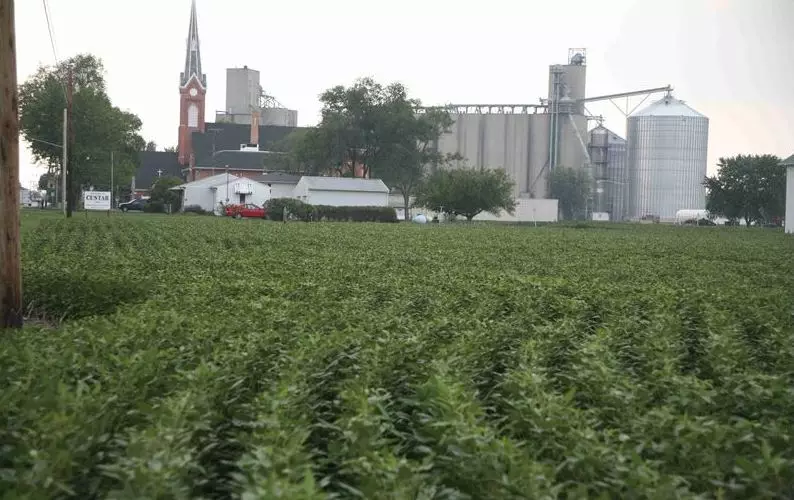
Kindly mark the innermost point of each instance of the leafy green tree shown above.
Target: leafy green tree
(170, 149)
(571, 188)
(162, 194)
(99, 127)
(406, 159)
(308, 152)
(467, 192)
(375, 127)
(47, 183)
(151, 146)
(748, 187)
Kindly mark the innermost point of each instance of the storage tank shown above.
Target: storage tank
(667, 150)
(617, 183)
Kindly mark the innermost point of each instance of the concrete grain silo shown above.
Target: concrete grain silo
(667, 154)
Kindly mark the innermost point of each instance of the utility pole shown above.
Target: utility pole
(68, 192)
(10, 247)
(112, 188)
(65, 161)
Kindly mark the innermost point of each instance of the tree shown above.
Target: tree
(162, 194)
(100, 128)
(47, 183)
(467, 192)
(752, 188)
(151, 146)
(170, 149)
(571, 188)
(406, 158)
(371, 130)
(307, 152)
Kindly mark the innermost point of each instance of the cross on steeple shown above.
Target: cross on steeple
(159, 172)
(193, 54)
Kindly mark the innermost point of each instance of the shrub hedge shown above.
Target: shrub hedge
(305, 212)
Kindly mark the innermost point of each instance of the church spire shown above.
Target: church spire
(193, 55)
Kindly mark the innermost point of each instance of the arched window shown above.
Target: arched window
(192, 116)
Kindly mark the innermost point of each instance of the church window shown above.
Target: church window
(192, 116)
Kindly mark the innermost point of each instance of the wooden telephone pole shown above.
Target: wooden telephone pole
(68, 144)
(10, 247)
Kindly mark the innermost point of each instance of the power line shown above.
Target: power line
(49, 30)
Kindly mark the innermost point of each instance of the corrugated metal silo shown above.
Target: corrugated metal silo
(491, 140)
(617, 184)
(537, 182)
(668, 146)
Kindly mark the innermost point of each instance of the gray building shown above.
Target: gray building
(242, 91)
(527, 140)
(244, 94)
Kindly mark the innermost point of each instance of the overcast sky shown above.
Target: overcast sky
(729, 59)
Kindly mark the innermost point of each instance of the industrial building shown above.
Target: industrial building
(655, 171)
(245, 99)
(789, 220)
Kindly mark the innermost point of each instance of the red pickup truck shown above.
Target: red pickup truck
(248, 210)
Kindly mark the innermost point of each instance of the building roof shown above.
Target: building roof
(788, 162)
(668, 106)
(345, 184)
(154, 164)
(228, 137)
(243, 160)
(211, 181)
(277, 178)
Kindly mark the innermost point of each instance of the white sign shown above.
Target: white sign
(96, 200)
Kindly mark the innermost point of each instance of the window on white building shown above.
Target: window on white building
(192, 116)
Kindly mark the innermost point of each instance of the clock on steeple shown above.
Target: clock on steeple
(192, 91)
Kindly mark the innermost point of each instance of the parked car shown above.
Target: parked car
(248, 210)
(134, 205)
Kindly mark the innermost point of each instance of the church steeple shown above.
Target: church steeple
(193, 54)
(192, 93)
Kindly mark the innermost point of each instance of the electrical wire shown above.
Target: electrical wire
(50, 31)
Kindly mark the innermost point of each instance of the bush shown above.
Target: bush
(195, 209)
(295, 208)
(355, 214)
(154, 207)
(304, 212)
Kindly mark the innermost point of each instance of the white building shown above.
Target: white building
(209, 193)
(281, 185)
(342, 191)
(29, 198)
(526, 210)
(789, 164)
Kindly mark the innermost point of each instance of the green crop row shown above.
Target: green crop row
(210, 358)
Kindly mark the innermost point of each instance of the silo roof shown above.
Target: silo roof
(668, 106)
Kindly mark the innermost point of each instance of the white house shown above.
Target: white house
(210, 192)
(342, 191)
(28, 198)
(789, 221)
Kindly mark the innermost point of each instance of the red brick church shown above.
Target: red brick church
(206, 149)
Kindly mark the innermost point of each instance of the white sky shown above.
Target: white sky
(729, 59)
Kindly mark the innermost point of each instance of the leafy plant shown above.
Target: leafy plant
(191, 357)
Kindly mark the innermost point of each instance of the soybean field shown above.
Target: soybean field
(204, 357)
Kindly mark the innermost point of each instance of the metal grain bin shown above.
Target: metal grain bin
(667, 150)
